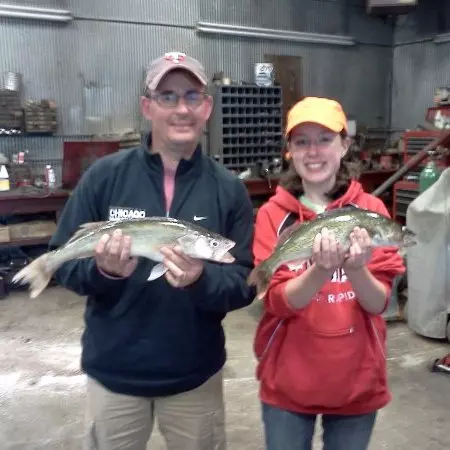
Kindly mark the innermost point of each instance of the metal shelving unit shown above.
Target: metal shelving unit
(246, 125)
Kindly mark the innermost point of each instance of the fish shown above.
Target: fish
(296, 242)
(148, 236)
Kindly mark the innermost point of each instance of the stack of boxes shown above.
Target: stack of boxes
(11, 113)
(40, 116)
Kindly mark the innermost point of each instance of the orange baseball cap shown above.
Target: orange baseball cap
(323, 111)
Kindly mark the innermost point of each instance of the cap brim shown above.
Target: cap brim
(337, 127)
(155, 82)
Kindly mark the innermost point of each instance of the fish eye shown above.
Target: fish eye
(214, 243)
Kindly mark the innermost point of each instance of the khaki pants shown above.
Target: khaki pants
(192, 420)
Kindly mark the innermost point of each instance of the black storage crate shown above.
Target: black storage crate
(246, 125)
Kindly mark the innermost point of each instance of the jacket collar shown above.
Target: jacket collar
(154, 162)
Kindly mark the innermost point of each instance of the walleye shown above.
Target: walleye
(295, 243)
(148, 236)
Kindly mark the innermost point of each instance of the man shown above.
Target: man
(156, 349)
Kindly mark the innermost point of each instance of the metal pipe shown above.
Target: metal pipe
(267, 33)
(34, 16)
(443, 140)
(32, 9)
(29, 12)
(273, 34)
(442, 38)
(280, 36)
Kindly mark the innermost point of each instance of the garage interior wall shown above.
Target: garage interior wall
(94, 65)
(419, 64)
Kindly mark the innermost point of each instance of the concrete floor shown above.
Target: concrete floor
(42, 397)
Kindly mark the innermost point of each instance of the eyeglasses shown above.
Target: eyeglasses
(170, 99)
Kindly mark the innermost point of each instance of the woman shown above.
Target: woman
(321, 341)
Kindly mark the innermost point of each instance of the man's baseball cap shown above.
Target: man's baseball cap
(323, 111)
(161, 66)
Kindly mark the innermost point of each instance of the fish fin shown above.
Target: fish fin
(84, 255)
(158, 271)
(84, 229)
(260, 277)
(92, 225)
(36, 274)
(349, 207)
(294, 264)
(288, 232)
(403, 252)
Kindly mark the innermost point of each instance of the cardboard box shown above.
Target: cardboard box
(32, 229)
(4, 234)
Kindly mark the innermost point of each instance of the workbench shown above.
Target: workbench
(31, 201)
(34, 201)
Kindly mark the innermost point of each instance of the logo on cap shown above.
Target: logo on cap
(175, 57)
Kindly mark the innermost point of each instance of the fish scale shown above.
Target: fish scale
(148, 235)
(295, 244)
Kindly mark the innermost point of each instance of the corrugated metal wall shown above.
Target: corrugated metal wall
(418, 70)
(419, 65)
(95, 64)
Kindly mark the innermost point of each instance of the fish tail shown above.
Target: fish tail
(260, 277)
(37, 274)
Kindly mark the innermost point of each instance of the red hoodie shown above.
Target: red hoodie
(329, 357)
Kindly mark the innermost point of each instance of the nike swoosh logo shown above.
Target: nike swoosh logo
(196, 218)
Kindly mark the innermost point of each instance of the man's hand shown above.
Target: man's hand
(113, 255)
(182, 269)
(360, 250)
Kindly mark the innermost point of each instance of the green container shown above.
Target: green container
(429, 175)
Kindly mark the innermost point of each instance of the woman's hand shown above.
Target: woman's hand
(327, 253)
(327, 256)
(360, 250)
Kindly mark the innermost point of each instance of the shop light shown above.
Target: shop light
(442, 38)
(268, 33)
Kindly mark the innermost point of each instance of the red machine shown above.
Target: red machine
(414, 141)
(404, 191)
(79, 155)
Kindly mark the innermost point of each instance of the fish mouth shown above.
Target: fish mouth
(409, 237)
(227, 258)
